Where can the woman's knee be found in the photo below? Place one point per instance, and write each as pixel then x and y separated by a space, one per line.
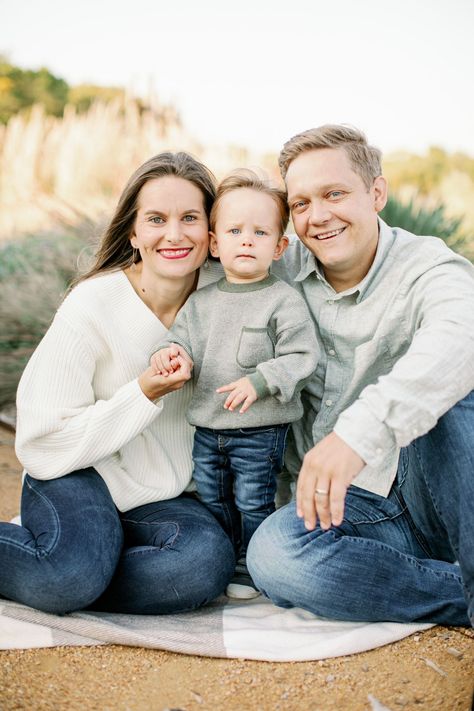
pixel 192 569
pixel 214 562
pixel 68 557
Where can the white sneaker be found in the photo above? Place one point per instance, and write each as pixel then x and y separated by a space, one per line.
pixel 242 587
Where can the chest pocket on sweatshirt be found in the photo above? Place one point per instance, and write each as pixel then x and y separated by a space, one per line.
pixel 255 346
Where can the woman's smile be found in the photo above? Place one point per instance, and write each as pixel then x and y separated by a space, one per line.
pixel 174 253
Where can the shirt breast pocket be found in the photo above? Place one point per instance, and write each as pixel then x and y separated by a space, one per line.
pixel 255 346
pixel 371 360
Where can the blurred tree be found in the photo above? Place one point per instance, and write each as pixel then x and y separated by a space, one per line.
pixel 83 95
pixel 21 88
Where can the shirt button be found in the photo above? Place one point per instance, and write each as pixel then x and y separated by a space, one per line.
pixel 332 351
pixel 329 403
pixel 330 301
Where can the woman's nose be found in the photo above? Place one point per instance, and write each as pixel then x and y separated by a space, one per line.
pixel 174 233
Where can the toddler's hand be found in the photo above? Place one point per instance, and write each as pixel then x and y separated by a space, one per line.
pixel 166 360
pixel 154 385
pixel 240 391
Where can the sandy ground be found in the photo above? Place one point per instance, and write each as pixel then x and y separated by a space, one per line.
pixel 398 676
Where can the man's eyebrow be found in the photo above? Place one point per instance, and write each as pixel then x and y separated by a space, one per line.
pixel 321 189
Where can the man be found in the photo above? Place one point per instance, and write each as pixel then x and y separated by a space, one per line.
pixel 384 521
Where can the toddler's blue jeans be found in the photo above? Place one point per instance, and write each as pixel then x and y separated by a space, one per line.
pixel 235 473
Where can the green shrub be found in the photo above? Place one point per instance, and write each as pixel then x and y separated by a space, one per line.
pixel 34 274
pixel 423 221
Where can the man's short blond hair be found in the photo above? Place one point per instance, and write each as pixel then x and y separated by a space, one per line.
pixel 365 159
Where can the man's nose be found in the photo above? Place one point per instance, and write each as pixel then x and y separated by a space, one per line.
pixel 319 213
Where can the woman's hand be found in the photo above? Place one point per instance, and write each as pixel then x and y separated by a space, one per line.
pixel 240 391
pixel 165 361
pixel 155 385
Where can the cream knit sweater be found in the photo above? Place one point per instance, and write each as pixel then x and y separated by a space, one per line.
pixel 80 405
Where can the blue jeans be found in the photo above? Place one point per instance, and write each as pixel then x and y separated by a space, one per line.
pixel 235 473
pixel 75 550
pixel 391 558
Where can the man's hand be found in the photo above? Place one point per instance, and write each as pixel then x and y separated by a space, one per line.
pixel 166 360
pixel 240 391
pixel 327 471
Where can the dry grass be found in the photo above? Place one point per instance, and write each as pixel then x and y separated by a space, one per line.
pixel 63 169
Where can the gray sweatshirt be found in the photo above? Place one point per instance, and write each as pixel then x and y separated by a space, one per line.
pixel 261 330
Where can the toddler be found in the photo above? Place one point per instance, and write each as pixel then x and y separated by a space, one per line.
pixel 251 335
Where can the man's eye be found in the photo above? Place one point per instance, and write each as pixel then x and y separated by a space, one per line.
pixel 157 219
pixel 298 205
pixel 234 231
pixel 335 193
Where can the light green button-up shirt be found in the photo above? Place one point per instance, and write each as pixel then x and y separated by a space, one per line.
pixel 397 350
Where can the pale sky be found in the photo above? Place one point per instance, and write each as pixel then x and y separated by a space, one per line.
pixel 254 73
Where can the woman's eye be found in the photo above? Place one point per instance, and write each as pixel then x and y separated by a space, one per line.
pixel 157 220
pixel 234 231
pixel 189 218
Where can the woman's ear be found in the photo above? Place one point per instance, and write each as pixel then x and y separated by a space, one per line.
pixel 213 248
pixel 283 243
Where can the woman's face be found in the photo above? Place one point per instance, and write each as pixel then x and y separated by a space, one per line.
pixel 171 228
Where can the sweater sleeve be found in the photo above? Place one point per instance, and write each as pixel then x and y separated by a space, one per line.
pixel 296 353
pixel 61 426
pixel 179 333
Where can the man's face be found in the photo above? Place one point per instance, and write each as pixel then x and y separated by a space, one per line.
pixel 334 214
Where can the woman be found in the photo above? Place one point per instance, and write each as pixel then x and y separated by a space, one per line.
pixel 106 519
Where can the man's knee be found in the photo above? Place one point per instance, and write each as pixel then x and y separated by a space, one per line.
pixel 271 552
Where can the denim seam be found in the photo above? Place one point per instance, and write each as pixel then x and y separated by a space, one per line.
pixel 160 523
pixel 378 520
pixel 46 501
pixel 433 500
pixel 409 559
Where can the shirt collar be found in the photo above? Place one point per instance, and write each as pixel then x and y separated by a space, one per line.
pixel 310 265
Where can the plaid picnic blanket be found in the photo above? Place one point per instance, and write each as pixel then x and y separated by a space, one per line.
pixel 253 629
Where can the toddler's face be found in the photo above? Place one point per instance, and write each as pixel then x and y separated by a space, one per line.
pixel 247 235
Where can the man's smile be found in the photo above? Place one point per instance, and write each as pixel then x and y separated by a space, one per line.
pixel 328 235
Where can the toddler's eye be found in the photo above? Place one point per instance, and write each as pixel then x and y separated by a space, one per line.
pixel 259 233
pixel 235 231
